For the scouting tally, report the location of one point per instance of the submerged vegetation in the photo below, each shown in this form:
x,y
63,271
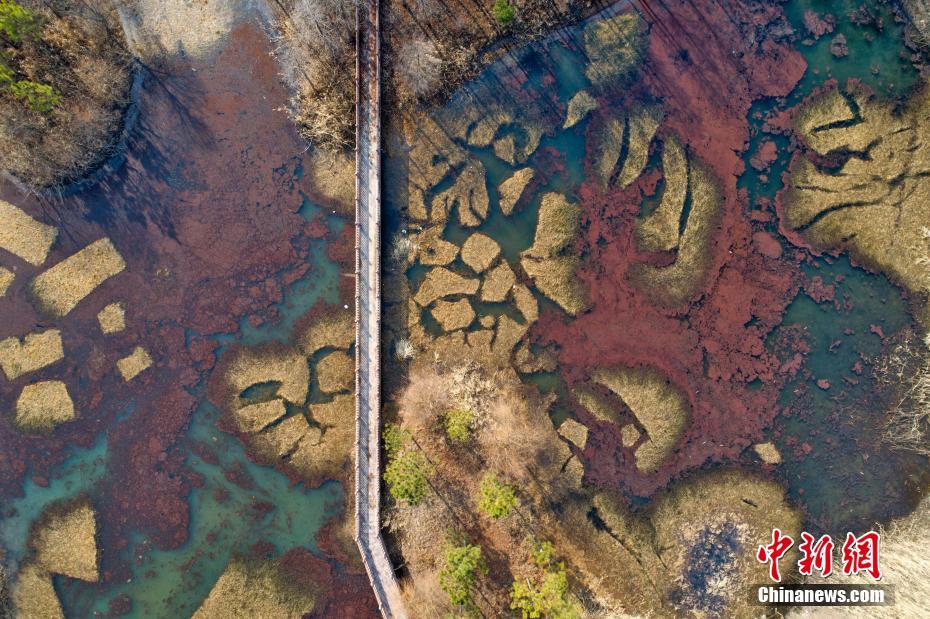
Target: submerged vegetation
x,y
64,86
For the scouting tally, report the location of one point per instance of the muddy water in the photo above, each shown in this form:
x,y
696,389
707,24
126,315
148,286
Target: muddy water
x,y
836,470
210,209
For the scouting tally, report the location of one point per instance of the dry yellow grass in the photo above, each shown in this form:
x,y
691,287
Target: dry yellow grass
x,y
256,417
23,236
556,278
34,596
511,190
578,107
453,315
904,566
433,250
557,227
875,207
441,282
609,148
64,540
334,329
658,231
614,49
254,366
467,193
552,273
659,407
42,406
332,176
597,405
335,372
497,283
574,432
525,303
674,285
507,336
642,125
134,364
726,508
480,251
255,589
330,455
112,318
629,435
34,352
768,453
59,289
6,280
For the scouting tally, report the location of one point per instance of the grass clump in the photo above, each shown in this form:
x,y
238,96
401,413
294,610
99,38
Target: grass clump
x,y
463,563
459,423
504,12
406,470
497,499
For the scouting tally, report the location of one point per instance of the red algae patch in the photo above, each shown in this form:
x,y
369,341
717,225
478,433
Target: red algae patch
x,y
703,325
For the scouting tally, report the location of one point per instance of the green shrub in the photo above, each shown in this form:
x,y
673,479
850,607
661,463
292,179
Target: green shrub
x,y
39,97
406,470
503,11
394,438
405,476
463,564
458,423
497,499
17,22
549,596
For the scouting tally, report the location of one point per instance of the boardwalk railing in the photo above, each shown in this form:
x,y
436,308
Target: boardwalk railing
x,y
368,311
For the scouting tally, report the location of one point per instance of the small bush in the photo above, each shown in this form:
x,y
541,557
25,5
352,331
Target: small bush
x,y
504,12
549,596
459,574
458,424
406,470
497,499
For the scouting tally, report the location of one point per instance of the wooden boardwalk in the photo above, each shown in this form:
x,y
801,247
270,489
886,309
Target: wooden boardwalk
x,y
368,312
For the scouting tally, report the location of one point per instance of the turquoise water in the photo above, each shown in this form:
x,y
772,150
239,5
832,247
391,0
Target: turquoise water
x,y
849,480
225,518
